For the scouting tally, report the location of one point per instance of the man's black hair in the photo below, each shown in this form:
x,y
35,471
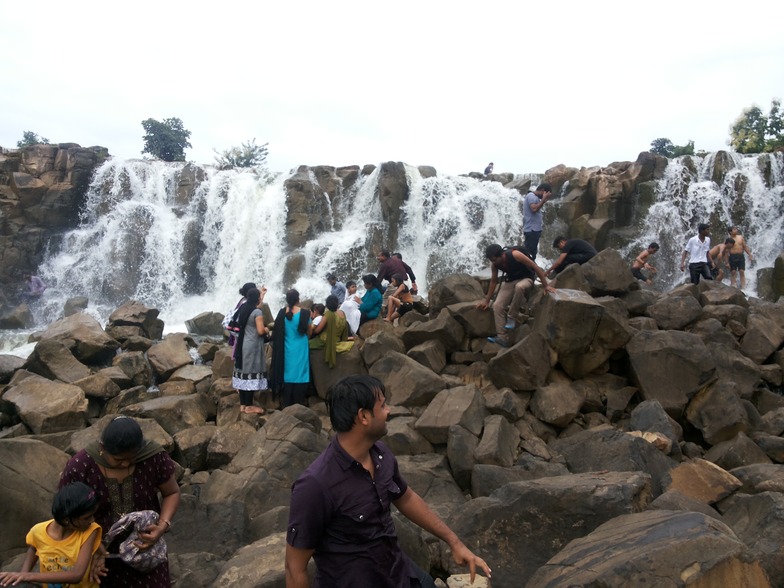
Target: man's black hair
x,y
557,240
350,283
398,255
121,435
544,187
347,396
654,245
702,226
72,501
493,251
729,241
385,253
331,277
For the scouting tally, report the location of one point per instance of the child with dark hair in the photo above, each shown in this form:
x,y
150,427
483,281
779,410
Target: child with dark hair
x,y
64,545
400,301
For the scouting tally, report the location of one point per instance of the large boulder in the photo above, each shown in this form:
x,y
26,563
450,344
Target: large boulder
x,y
675,311
169,355
174,413
718,412
48,407
206,323
136,314
608,273
475,322
407,382
605,448
670,366
348,364
29,471
524,366
762,338
523,524
453,289
260,564
84,336
583,332
8,365
443,328
758,521
53,360
656,548
464,406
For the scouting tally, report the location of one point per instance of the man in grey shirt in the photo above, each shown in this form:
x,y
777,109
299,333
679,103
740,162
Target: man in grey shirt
x,y
338,288
532,217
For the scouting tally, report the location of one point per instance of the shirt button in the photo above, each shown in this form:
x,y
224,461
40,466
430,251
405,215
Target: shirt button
x,y
361,517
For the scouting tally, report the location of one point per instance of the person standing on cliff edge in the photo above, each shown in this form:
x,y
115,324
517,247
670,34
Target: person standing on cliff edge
x,y
533,219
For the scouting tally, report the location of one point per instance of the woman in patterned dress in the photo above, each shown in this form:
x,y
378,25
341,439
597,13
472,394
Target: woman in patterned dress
x,y
250,356
127,473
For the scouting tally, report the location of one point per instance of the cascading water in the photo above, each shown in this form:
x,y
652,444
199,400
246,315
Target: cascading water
x,y
749,194
143,237
138,239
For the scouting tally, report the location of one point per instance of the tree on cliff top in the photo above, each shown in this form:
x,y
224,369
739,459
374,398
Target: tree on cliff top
x,y
755,132
247,155
165,140
30,138
664,146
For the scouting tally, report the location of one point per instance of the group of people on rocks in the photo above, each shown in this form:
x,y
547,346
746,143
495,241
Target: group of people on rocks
x,y
330,326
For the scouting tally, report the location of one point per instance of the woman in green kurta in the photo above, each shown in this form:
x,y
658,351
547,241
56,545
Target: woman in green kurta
x,y
332,332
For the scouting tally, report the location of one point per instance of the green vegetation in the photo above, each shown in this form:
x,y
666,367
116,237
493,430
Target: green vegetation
x,y
664,146
755,132
165,140
30,138
247,155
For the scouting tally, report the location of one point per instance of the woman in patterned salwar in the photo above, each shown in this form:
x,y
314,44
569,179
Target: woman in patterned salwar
x,y
127,472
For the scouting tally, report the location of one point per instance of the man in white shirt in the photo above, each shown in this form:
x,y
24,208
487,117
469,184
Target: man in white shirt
x,y
698,251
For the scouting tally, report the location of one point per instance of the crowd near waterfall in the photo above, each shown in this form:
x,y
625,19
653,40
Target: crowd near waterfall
x,y
181,238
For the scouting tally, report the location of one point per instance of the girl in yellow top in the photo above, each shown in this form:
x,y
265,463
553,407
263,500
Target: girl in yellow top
x,y
64,545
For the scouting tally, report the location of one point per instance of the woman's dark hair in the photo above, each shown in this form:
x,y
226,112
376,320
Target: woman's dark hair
x,y
371,281
245,287
319,308
252,298
74,500
332,303
347,396
292,299
121,435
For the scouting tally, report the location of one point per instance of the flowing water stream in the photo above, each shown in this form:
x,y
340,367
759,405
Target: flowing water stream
x,y
141,238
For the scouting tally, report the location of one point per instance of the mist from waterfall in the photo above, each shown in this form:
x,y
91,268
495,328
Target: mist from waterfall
x,y
750,195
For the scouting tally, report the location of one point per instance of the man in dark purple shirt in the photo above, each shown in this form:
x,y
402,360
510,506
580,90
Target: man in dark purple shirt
x,y
390,265
340,505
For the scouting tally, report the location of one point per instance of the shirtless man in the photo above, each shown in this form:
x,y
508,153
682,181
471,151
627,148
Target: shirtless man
x,y
641,263
737,261
718,255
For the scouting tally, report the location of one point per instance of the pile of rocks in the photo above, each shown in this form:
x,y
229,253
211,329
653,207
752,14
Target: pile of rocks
x,y
626,435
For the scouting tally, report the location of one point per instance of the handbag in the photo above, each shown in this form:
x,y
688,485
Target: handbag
x,y
143,560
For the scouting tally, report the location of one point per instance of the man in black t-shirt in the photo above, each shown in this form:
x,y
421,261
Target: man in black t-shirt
x,y
572,251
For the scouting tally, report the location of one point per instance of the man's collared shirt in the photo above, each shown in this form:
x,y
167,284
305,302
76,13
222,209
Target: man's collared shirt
x,y
698,250
344,514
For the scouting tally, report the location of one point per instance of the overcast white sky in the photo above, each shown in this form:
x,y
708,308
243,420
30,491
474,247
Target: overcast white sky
x,y
448,84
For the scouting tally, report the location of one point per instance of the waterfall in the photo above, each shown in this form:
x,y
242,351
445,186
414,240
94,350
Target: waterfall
x,y
184,239
723,189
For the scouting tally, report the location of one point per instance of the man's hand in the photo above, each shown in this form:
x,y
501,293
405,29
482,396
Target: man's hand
x,y
465,557
549,288
483,305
